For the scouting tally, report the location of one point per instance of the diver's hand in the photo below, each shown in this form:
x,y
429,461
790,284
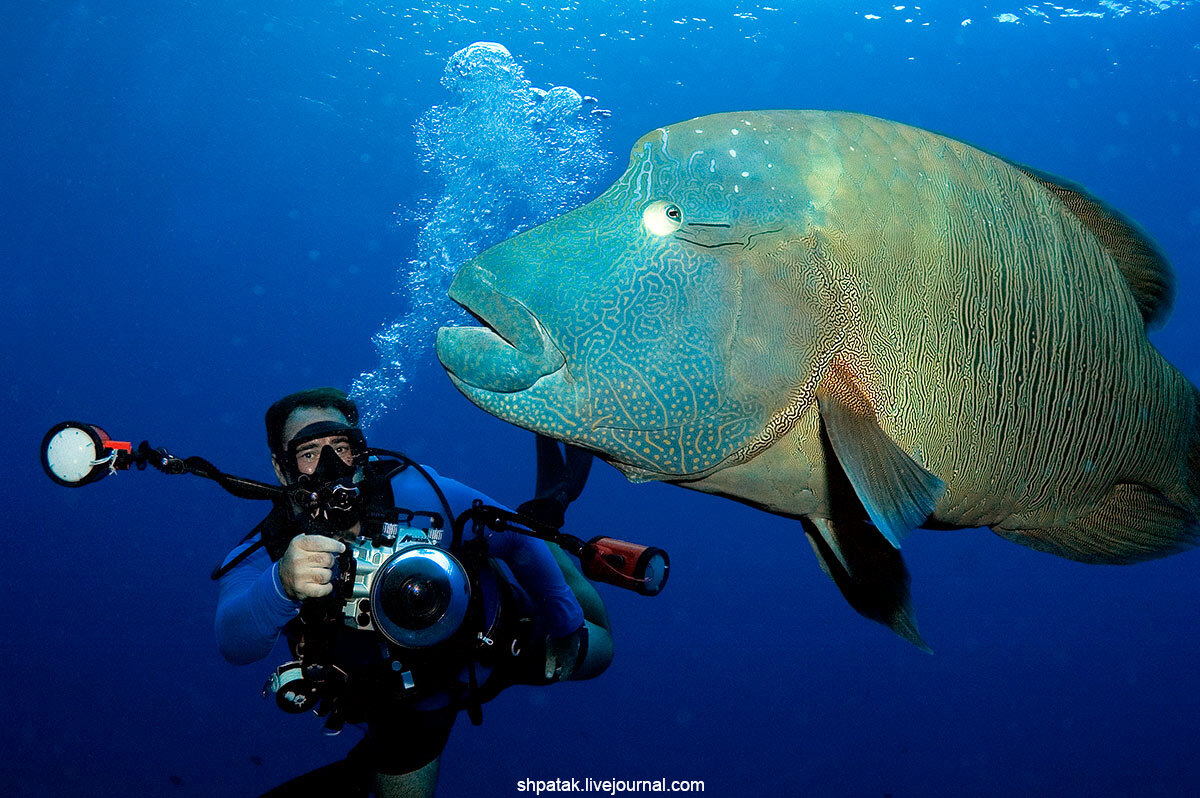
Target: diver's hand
x,y
561,655
307,566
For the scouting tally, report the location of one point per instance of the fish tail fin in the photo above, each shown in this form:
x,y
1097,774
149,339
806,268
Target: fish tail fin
x,y
1134,522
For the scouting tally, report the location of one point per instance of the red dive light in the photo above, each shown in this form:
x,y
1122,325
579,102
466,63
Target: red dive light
x,y
75,454
628,565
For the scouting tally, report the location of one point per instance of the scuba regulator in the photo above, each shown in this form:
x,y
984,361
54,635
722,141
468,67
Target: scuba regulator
x,y
399,582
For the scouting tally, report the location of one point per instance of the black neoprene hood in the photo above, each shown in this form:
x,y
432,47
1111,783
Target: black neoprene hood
x,y
278,413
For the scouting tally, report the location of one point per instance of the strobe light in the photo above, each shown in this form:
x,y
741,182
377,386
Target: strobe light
x,y
628,565
75,454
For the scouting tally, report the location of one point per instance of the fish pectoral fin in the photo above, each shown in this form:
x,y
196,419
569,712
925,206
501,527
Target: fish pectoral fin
x,y
869,571
1132,524
858,554
896,491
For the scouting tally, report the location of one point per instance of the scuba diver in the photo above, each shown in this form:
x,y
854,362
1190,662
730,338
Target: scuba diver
x,y
405,597
448,637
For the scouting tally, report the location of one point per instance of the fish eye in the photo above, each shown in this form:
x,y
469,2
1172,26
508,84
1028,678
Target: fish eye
x,y
662,218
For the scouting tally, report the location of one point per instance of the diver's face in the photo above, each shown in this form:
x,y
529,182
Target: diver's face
x,y
308,455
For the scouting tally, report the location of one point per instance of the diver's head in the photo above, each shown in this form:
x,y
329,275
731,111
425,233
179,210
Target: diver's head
x,y
314,433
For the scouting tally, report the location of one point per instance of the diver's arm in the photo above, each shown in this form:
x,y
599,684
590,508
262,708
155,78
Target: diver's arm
x,y
593,607
251,609
535,568
599,633
530,561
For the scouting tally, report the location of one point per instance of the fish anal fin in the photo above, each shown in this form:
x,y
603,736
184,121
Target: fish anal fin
x,y
1132,524
896,491
878,588
1141,262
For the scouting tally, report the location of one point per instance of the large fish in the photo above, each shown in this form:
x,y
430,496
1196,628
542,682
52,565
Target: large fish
x,y
862,324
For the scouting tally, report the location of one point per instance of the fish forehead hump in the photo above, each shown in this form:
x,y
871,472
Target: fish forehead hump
x,y
814,157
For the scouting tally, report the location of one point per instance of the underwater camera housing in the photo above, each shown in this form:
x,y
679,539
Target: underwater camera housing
x,y
402,585
396,583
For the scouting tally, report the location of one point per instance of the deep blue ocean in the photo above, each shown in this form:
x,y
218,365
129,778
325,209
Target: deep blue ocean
x,y
207,205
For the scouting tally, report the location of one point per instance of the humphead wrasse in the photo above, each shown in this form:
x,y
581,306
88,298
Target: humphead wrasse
x,y
857,323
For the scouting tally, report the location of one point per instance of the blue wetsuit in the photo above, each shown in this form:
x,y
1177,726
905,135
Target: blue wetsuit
x,y
252,607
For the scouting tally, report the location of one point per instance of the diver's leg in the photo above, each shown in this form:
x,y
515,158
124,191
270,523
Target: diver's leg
x,y
600,643
417,784
561,475
404,747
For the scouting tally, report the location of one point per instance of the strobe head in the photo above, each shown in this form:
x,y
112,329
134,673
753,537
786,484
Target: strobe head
x,y
420,596
629,565
76,454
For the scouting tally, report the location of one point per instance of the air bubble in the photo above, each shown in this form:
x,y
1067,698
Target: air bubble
x,y
506,156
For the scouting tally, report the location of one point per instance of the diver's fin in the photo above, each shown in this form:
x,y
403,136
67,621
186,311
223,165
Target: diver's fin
x,y
1132,524
870,573
562,471
896,491
579,465
561,475
551,471
1142,263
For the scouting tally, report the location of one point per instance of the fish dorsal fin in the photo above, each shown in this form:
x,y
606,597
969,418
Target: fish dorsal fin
x,y
896,491
1142,263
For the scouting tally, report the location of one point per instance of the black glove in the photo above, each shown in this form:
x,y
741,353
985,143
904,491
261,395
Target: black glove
x,y
545,510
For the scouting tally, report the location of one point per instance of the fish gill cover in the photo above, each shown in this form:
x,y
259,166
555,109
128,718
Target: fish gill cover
x,y
503,155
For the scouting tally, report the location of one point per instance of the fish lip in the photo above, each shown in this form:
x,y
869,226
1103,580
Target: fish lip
x,y
509,352
474,289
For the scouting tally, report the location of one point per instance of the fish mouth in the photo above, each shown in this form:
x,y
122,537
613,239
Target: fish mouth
x,y
509,353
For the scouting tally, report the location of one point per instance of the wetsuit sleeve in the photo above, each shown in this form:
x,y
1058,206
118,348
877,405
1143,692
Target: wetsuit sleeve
x,y
530,561
534,567
251,608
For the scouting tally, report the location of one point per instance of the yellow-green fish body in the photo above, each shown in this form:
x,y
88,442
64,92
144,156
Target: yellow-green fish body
x,y
856,322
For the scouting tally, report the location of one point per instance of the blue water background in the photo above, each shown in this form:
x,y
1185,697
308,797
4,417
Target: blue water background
x,y
205,205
